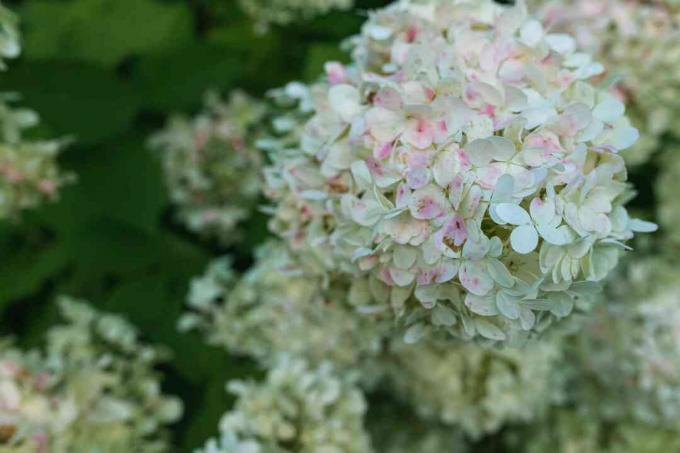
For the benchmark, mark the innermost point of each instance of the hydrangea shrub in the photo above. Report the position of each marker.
(464, 170)
(211, 165)
(93, 387)
(29, 173)
(297, 408)
(266, 13)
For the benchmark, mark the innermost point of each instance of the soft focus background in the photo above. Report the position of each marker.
(106, 74)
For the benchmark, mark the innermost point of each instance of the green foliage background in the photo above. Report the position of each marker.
(106, 73)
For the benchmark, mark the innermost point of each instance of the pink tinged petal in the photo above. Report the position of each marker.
(441, 132)
(382, 151)
(428, 202)
(419, 133)
(474, 277)
(418, 177)
(487, 177)
(415, 92)
(447, 271)
(403, 196)
(335, 72)
(456, 190)
(388, 98)
(542, 212)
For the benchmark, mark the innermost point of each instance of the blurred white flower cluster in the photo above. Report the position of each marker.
(463, 171)
(211, 166)
(29, 173)
(266, 13)
(297, 408)
(459, 180)
(93, 388)
(639, 43)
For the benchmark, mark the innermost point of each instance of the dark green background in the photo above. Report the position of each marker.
(107, 73)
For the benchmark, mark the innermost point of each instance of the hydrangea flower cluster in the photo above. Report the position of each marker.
(29, 173)
(279, 306)
(626, 358)
(622, 34)
(93, 388)
(211, 166)
(297, 408)
(283, 12)
(567, 431)
(477, 389)
(463, 171)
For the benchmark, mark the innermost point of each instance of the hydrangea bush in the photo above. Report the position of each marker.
(282, 12)
(463, 170)
(29, 173)
(211, 165)
(477, 389)
(279, 306)
(639, 44)
(93, 387)
(297, 408)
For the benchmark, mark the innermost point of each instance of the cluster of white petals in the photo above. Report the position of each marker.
(477, 389)
(211, 166)
(279, 306)
(282, 12)
(297, 408)
(568, 431)
(639, 44)
(29, 173)
(463, 170)
(625, 359)
(94, 388)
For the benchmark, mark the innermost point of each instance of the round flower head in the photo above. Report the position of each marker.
(464, 161)
(94, 388)
(212, 168)
(296, 409)
(639, 44)
(477, 389)
(282, 12)
(280, 307)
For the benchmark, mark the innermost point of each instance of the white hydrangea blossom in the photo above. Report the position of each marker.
(639, 42)
(93, 388)
(283, 12)
(464, 162)
(298, 409)
(279, 306)
(29, 173)
(624, 361)
(212, 168)
(475, 388)
(567, 431)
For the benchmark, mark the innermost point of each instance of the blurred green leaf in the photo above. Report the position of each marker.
(74, 99)
(103, 31)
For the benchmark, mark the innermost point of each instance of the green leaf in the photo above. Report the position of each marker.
(103, 31)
